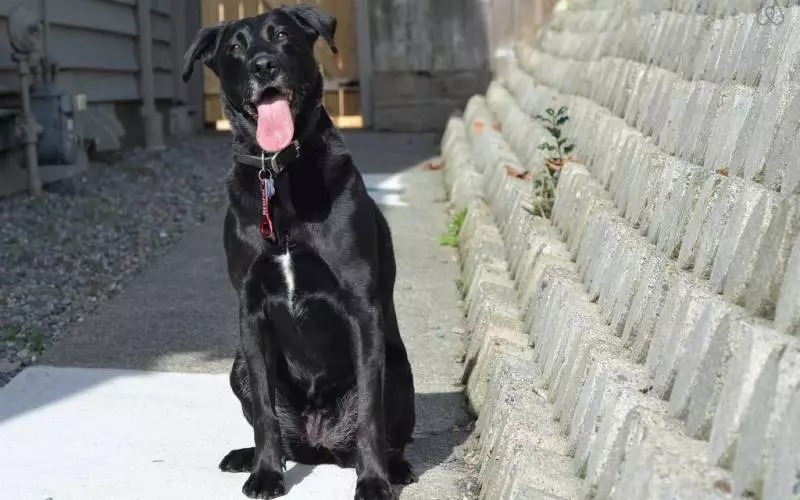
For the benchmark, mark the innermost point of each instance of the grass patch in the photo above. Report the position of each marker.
(451, 237)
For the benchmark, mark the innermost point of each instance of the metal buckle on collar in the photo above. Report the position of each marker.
(264, 174)
(274, 167)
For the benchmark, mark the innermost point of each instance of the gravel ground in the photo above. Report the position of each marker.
(64, 254)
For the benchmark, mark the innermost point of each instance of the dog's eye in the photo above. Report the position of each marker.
(236, 48)
(280, 35)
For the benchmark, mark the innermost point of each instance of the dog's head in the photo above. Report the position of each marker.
(266, 68)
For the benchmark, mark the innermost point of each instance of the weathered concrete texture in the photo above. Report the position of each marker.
(660, 301)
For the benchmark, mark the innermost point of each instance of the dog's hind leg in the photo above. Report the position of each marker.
(240, 460)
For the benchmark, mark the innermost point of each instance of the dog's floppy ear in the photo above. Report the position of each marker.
(315, 22)
(204, 46)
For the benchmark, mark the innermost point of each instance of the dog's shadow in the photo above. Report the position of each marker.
(442, 426)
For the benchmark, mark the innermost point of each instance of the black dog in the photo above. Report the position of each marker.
(321, 372)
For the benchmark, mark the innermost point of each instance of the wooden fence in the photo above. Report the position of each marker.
(340, 99)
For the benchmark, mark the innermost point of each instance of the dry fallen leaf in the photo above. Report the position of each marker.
(434, 165)
(519, 174)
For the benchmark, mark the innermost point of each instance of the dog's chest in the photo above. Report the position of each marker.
(286, 267)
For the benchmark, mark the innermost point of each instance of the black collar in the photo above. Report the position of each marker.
(276, 162)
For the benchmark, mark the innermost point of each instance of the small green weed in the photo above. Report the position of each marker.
(10, 334)
(35, 341)
(460, 286)
(450, 238)
(544, 186)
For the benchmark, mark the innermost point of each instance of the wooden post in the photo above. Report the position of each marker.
(178, 39)
(30, 128)
(153, 125)
(364, 44)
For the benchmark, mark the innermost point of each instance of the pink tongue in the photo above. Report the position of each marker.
(275, 126)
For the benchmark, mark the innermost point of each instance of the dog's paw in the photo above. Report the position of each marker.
(400, 471)
(238, 460)
(264, 484)
(374, 488)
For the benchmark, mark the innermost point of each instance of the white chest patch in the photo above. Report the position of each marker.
(285, 262)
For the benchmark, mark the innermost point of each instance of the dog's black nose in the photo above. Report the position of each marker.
(264, 67)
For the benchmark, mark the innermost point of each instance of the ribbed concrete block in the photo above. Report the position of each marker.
(787, 311)
(680, 187)
(705, 396)
(780, 159)
(703, 207)
(488, 284)
(752, 202)
(550, 257)
(729, 192)
(784, 49)
(602, 254)
(652, 456)
(692, 36)
(631, 277)
(572, 395)
(761, 293)
(676, 345)
(630, 76)
(725, 69)
(608, 378)
(761, 348)
(681, 287)
(466, 188)
(647, 303)
(732, 25)
(657, 117)
(694, 129)
(780, 480)
(653, 472)
(613, 420)
(654, 117)
(790, 182)
(680, 94)
(756, 47)
(573, 175)
(633, 109)
(735, 101)
(480, 257)
(612, 279)
(520, 242)
(695, 351)
(544, 333)
(516, 430)
(644, 181)
(703, 58)
(591, 202)
(591, 238)
(584, 319)
(760, 424)
(745, 254)
(497, 342)
(478, 215)
(767, 130)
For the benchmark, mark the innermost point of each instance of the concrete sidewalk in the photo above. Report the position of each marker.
(134, 403)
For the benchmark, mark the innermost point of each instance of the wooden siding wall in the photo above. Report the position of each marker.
(516, 20)
(95, 44)
(427, 57)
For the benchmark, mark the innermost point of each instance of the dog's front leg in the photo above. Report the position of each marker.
(266, 478)
(369, 360)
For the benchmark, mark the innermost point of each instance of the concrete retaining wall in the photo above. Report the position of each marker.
(641, 343)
